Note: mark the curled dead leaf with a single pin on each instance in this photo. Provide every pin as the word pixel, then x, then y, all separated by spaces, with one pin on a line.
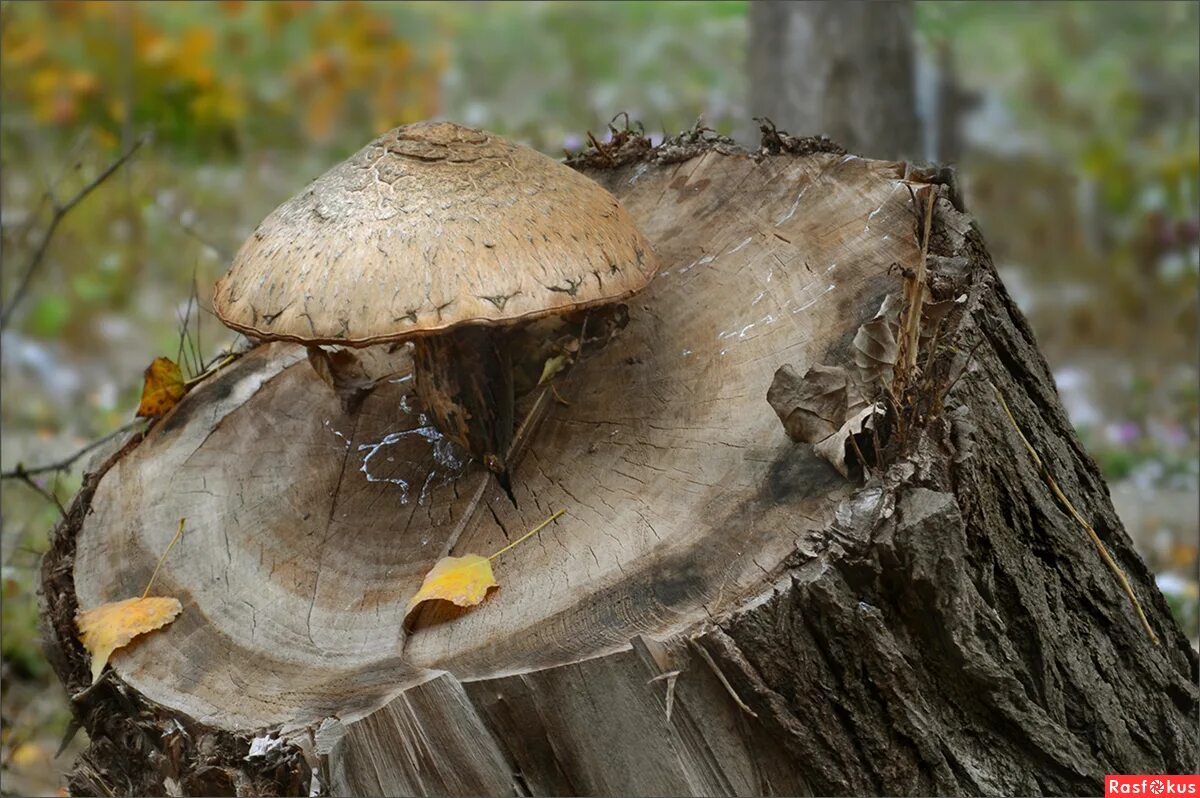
pixel 934 313
pixel 875 347
pixel 833 448
pixel 823 408
pixel 111 626
pixel 811 407
pixel 162 389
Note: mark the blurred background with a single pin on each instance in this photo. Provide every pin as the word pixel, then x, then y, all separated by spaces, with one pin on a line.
pixel 1074 127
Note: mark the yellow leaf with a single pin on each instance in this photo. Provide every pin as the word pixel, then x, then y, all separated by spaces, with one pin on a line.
pixel 163 388
pixel 552 367
pixel 28 756
pixel 462 580
pixel 111 626
pixel 466 580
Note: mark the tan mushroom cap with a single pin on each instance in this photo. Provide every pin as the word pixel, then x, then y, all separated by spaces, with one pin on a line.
pixel 431 226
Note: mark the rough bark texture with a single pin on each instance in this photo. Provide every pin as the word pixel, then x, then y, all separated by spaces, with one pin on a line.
pixel 844 70
pixel 941 627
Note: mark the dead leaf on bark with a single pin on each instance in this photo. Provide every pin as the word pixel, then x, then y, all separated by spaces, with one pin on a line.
pixel 163 388
pixel 875 344
pixel 833 448
pixel 934 313
pixel 811 407
pixel 824 408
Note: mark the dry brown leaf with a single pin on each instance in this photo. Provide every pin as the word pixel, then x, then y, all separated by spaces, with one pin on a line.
pixel 811 407
pixel 824 408
pixel 106 628
pixel 875 344
pixel 163 388
pixel 934 313
pixel 833 448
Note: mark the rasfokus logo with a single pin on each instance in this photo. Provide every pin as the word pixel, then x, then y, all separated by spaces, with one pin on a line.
pixel 1151 785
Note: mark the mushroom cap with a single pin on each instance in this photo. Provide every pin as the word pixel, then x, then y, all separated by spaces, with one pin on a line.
pixel 431 226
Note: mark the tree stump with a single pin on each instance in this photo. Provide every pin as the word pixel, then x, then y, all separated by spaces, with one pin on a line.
pixel 719 612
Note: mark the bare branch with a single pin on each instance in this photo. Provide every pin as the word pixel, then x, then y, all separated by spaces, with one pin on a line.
pixel 49 495
pixel 22 473
pixel 60 210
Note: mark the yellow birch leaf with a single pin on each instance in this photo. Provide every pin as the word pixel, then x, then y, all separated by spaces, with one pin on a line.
pixel 465 580
pixel 163 387
pixel 111 626
pixel 462 580
pixel 552 367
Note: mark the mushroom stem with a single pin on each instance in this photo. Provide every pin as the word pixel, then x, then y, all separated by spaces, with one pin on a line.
pixel 464 379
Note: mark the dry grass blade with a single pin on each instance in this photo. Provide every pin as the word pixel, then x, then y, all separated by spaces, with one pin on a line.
pixel 1108 560
pixel 914 294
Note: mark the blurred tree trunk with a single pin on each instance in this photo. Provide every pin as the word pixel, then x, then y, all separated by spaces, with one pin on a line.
pixel 844 70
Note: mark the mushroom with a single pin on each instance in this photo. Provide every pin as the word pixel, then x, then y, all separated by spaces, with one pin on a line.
pixel 448 237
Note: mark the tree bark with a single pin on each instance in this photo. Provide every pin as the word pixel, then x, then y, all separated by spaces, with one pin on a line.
pixel 845 70
pixel 720 612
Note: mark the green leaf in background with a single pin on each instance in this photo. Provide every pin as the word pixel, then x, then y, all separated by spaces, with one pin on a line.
pixel 49 315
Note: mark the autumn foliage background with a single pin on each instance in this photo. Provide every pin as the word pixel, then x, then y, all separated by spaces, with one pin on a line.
pixel 1082 164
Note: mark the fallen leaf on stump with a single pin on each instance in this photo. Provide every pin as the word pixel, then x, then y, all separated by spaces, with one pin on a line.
pixel 111 626
pixel 824 408
pixel 465 581
pixel 875 347
pixel 163 388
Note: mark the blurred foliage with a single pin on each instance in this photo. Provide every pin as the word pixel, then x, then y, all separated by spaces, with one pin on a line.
pixel 212 80
pixel 1098 107
pixel 220 79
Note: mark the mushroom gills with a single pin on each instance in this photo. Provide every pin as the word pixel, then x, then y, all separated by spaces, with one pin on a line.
pixel 464 380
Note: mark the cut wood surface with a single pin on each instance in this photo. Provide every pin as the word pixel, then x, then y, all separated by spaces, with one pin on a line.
pixel 309 530
pixel 718 612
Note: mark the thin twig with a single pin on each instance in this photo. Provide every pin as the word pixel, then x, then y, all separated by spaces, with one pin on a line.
pixel 59 212
pixel 21 472
pixel 183 353
pixel 49 495
pixel 530 533
pixel 1104 555
pixel 963 370
pixel 704 655
pixel 199 321
pixel 910 325
pixel 154 575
